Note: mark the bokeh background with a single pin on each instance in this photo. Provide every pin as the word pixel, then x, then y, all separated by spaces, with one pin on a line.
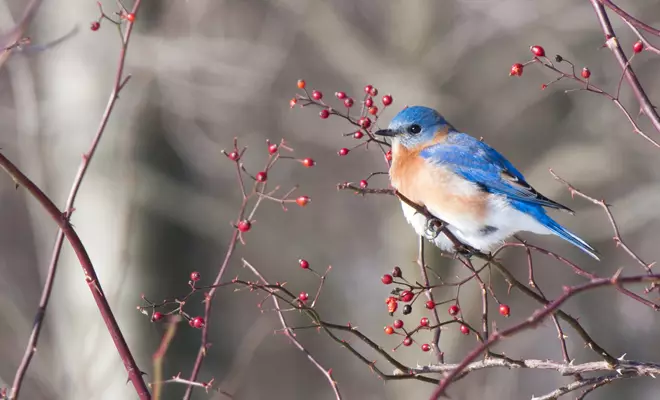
pixel 159 196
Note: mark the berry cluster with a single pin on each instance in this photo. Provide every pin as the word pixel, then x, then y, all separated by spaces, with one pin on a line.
pixel 408 293
pixel 364 121
pixel 122 15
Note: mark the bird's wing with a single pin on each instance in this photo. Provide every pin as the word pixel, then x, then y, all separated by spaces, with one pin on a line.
pixel 477 162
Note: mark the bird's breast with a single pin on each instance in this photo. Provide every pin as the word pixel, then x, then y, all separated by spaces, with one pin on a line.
pixel 444 193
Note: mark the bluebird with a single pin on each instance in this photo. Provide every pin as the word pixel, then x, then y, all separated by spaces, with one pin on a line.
pixel 463 181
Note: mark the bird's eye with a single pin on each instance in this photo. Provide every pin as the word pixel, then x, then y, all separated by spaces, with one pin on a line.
pixel 414 128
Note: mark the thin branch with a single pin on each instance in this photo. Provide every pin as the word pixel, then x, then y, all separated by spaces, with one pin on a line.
pixel 119 82
pixel 535 319
pixel 613 44
pixel 606 208
pixel 623 366
pixel 134 373
pixel 288 332
pixel 630 19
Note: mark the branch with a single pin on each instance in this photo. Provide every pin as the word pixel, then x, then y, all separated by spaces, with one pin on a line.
pixel 134 373
pixel 623 366
pixel 535 319
pixel 629 18
pixel 288 332
pixel 615 47
pixel 119 83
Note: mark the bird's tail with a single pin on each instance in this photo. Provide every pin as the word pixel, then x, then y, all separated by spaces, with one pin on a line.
pixel 568 236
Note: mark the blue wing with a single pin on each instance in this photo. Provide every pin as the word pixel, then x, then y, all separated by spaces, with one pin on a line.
pixel 483 165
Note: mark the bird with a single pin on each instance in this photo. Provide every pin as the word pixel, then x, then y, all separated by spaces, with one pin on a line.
pixel 467 184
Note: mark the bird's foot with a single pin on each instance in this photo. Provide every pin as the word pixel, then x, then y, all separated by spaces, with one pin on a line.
pixel 433 228
pixel 466 250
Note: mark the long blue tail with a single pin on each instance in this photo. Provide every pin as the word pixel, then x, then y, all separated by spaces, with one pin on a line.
pixel 568 236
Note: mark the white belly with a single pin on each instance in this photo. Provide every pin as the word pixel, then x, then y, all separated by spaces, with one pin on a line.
pixel 505 219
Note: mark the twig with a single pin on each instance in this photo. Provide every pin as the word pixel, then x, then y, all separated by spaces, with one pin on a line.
pixel 629 18
pixel 617 235
pixel 535 319
pixel 134 373
pixel 119 83
pixel 623 366
pixel 288 332
pixel 421 262
pixel 613 44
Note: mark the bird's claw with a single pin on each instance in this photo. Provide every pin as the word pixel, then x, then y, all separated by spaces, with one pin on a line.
pixel 467 250
pixel 433 228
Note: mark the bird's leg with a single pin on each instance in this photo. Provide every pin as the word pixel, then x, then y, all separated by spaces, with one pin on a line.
pixel 433 228
pixel 466 250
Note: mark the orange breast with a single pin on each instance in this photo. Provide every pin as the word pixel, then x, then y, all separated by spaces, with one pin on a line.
pixel 440 190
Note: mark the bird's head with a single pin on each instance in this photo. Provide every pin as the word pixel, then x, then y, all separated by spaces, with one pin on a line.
pixel 417 127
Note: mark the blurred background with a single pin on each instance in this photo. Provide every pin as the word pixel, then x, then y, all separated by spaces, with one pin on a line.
pixel 159 197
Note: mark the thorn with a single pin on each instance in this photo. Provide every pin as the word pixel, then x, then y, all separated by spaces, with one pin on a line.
pixel 622 357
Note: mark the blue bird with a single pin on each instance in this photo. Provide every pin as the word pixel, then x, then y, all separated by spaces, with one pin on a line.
pixel 463 181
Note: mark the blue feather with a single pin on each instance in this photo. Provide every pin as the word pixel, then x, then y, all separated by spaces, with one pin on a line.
pixel 477 162
pixel 538 213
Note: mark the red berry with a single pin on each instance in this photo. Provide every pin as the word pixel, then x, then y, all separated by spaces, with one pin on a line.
pixel 358 135
pixel 308 162
pixel 638 47
pixel 234 156
pixel 586 73
pixel 130 17
pixel 364 122
pixel 348 102
pixel 303 200
pixel 453 310
pixel 426 347
pixel 392 304
pixel 95 26
pixel 516 70
pixel 537 51
pixel 387 100
pixel 387 279
pixel 343 151
pixel 389 330
pixel 244 225
pixel 407 296
pixel 262 176
pixel 373 92
pixel 388 155
pixel 364 184
pixel 373 110
pixel 367 89
pixel 544 86
pixel 407 341
pixel 324 114
pixel 272 149
pixel 505 310
pixel 369 102
pixel 398 324
pixel 430 304
pixel 157 316
pixel 424 322
pixel 303 296
pixel 195 276
pixel 293 102
pixel 396 272
pixel 197 322
pixel 340 95
pixel 301 84
pixel 304 264
pixel 465 330
pixel 316 95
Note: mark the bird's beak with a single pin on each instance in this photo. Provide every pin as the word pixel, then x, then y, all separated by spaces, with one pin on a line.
pixel 386 132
